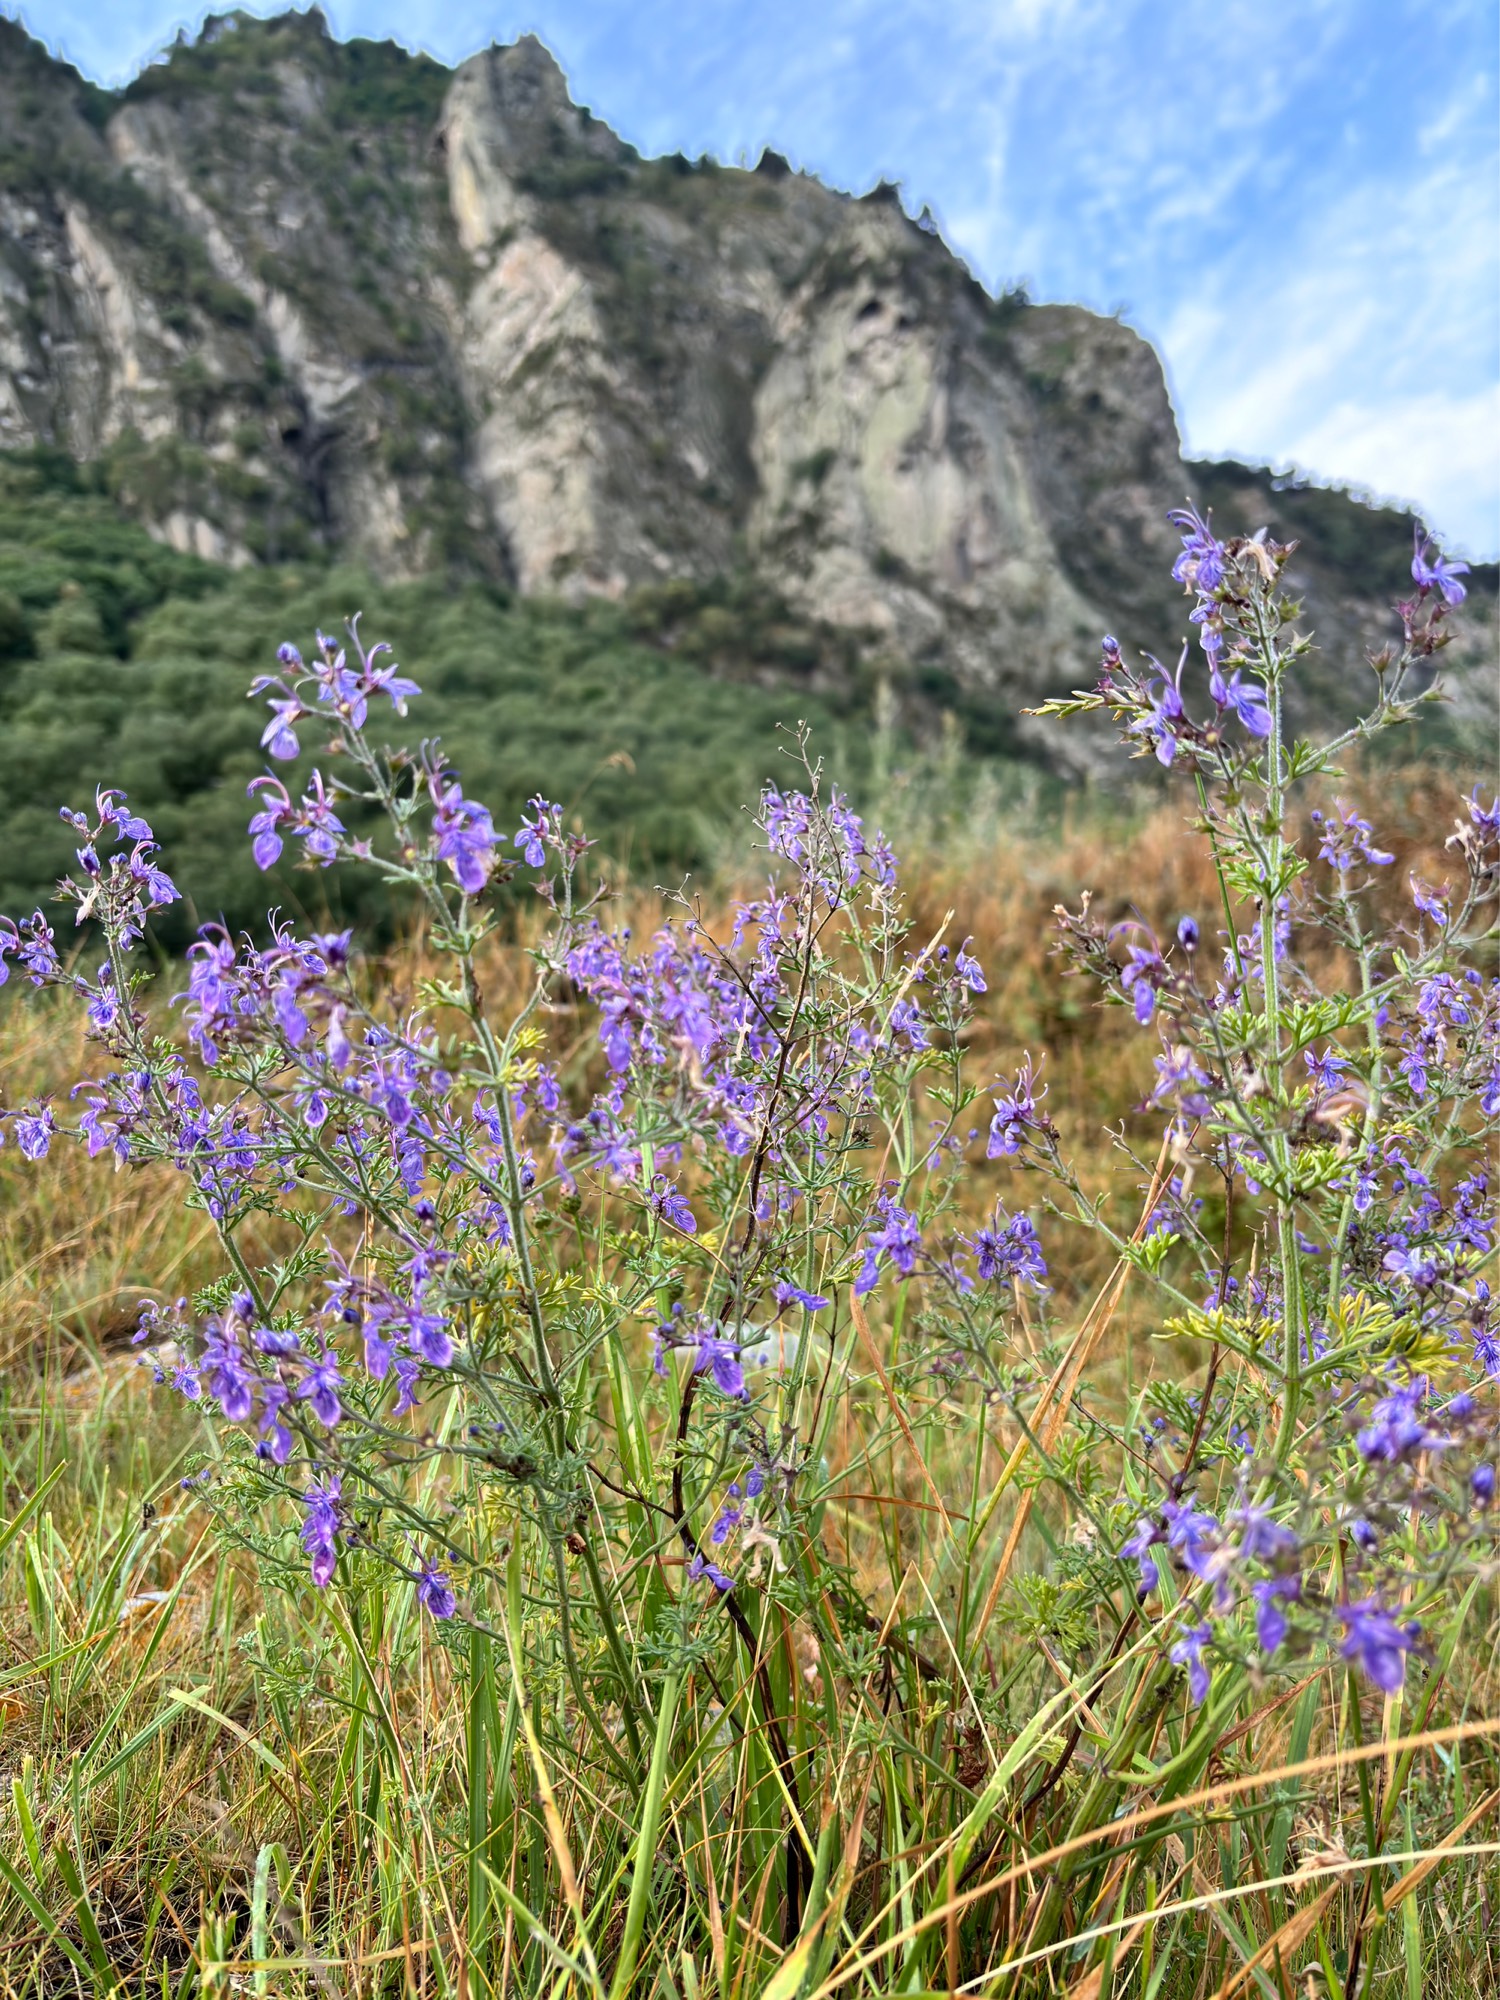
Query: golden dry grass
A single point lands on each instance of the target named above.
(145, 1620)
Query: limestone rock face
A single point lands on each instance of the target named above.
(298, 296)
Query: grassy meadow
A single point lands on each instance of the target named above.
(206, 1788)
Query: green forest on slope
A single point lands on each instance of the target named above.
(653, 720)
(125, 663)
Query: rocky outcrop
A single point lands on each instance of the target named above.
(298, 295)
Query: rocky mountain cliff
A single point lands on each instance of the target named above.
(295, 295)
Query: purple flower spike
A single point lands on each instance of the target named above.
(266, 826)
(1201, 564)
(279, 735)
(722, 1359)
(1188, 1652)
(1270, 1619)
(320, 1530)
(1432, 571)
(466, 836)
(34, 1130)
(788, 1294)
(435, 1593)
(1376, 1644)
(544, 822)
(672, 1206)
(700, 1568)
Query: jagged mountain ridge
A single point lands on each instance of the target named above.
(300, 294)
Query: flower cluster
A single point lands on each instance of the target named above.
(749, 1137)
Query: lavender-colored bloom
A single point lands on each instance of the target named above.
(1326, 1071)
(1196, 1536)
(897, 1238)
(1376, 1644)
(156, 884)
(1486, 818)
(1432, 571)
(1187, 933)
(788, 1294)
(317, 824)
(671, 1205)
(1160, 724)
(230, 1378)
(408, 1373)
(722, 1359)
(1179, 1077)
(968, 968)
(1482, 1483)
(1246, 699)
(1188, 1652)
(265, 826)
(320, 1530)
(906, 1020)
(1432, 902)
(1270, 1620)
(1010, 1249)
(33, 942)
(34, 1130)
(185, 1381)
(1395, 1431)
(427, 1333)
(1142, 973)
(542, 821)
(110, 806)
(1262, 1538)
(1346, 840)
(1148, 1534)
(388, 680)
(435, 1593)
(1015, 1114)
(466, 835)
(1418, 1267)
(275, 1439)
(1201, 564)
(320, 1387)
(700, 1567)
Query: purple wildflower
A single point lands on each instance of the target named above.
(1270, 1620)
(1433, 571)
(435, 1592)
(1376, 1644)
(671, 1205)
(320, 1530)
(34, 1130)
(1010, 1248)
(1326, 1071)
(466, 835)
(542, 822)
(700, 1567)
(1395, 1431)
(1188, 1652)
(788, 1294)
(721, 1358)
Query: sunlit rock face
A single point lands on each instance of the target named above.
(301, 296)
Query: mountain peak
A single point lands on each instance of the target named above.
(295, 295)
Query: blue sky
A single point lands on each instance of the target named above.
(1299, 205)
